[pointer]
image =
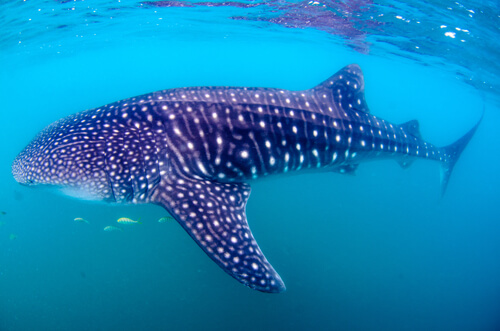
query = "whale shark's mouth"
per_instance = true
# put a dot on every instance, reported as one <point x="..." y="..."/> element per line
<point x="20" y="172"/>
<point x="79" y="193"/>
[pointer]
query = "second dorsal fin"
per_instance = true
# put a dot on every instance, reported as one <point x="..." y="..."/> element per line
<point x="412" y="128"/>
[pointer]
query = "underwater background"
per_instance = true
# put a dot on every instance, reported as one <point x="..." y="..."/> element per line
<point x="377" y="251"/>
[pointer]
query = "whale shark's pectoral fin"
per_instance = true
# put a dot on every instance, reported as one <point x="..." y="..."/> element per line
<point x="213" y="214"/>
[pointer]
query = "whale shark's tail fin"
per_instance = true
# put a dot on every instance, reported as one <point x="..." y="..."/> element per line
<point x="452" y="153"/>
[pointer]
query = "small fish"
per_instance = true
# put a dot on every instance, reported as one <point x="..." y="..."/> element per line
<point x="81" y="220"/>
<point x="3" y="213"/>
<point x="111" y="228"/>
<point x="165" y="219"/>
<point x="125" y="220"/>
<point x="12" y="236"/>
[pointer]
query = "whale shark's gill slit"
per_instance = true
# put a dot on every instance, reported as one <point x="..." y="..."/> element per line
<point x="145" y="190"/>
<point x="173" y="149"/>
<point x="106" y="171"/>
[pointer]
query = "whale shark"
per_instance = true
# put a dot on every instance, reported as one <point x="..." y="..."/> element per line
<point x="195" y="151"/>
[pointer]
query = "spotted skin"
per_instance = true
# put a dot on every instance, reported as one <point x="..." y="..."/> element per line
<point x="195" y="150"/>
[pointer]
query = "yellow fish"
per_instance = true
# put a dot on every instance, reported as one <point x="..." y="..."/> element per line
<point x="125" y="220"/>
<point x="165" y="219"/>
<point x="111" y="228"/>
<point x="12" y="236"/>
<point x="81" y="220"/>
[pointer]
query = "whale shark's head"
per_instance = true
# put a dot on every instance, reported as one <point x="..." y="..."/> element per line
<point x="24" y="173"/>
<point x="63" y="156"/>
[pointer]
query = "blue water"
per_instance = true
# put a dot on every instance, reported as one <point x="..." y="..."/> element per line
<point x="376" y="251"/>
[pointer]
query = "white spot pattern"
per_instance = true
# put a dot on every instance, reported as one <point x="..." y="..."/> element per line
<point x="191" y="150"/>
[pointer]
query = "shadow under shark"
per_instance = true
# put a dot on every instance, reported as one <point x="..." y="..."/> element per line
<point x="194" y="150"/>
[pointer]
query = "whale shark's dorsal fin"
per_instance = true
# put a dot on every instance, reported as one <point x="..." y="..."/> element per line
<point x="412" y="128"/>
<point x="347" y="87"/>
<point x="213" y="214"/>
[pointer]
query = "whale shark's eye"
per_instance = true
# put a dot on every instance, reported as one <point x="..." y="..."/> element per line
<point x="27" y="182"/>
